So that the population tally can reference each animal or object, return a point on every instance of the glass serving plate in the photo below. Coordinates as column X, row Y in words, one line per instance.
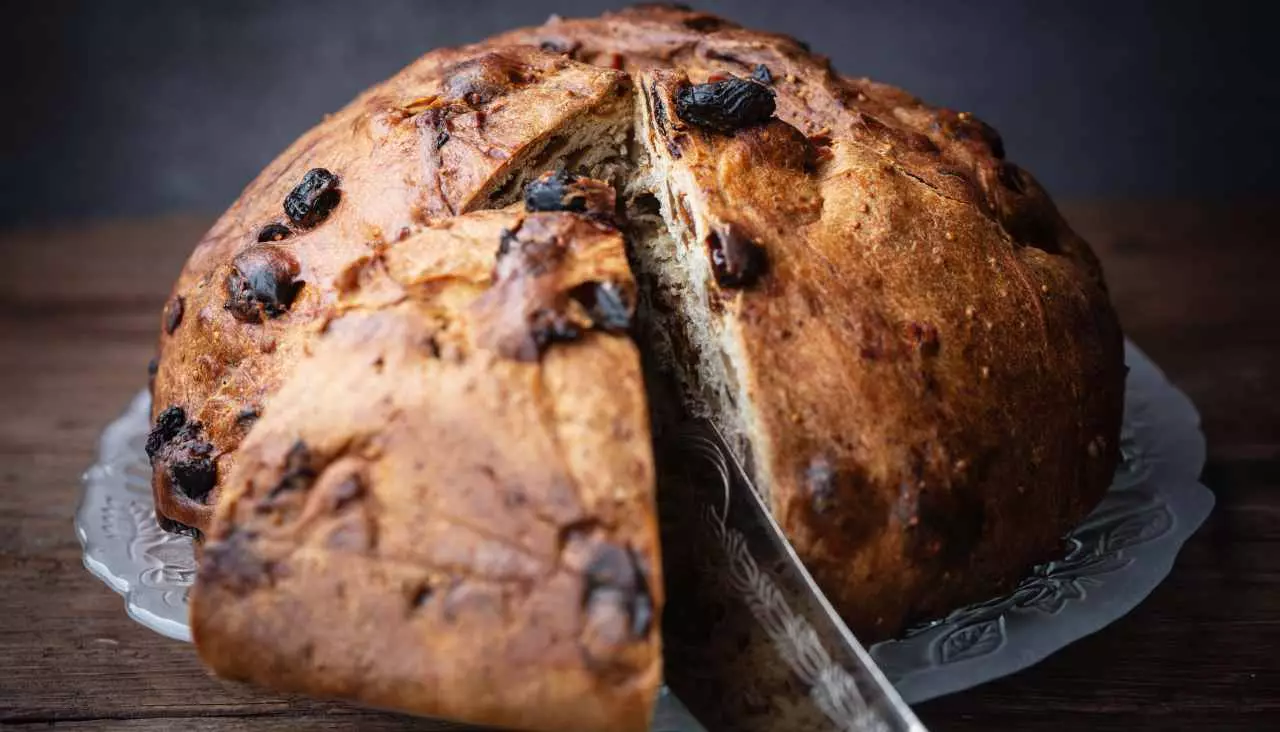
column 750, row 644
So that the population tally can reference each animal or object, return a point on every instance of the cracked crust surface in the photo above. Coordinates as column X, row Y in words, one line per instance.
column 928, row 380
column 411, row 423
column 486, row 545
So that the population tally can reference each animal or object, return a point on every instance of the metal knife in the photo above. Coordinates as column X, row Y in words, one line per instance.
column 751, row 642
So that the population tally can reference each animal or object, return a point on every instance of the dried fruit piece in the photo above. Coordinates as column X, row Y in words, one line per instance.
column 166, row 427
column 725, row 106
column 613, row 580
column 262, row 282
column 736, row 261
column 177, row 527
column 607, row 305
column 480, row 80
column 563, row 191
column 299, row 471
column 173, row 314
column 553, row 191
column 273, row 232
column 547, row 326
column 310, row 201
column 820, row 481
column 176, row 446
column 762, row 75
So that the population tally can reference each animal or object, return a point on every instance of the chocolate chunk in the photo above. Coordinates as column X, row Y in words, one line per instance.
column 736, row 261
column 762, row 75
column 553, row 192
column 607, row 305
column 725, row 106
column 262, row 282
column 273, row 232
column 310, row 201
column 173, row 314
column 613, row 577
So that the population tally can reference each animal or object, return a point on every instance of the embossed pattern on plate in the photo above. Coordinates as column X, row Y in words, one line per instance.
column 1115, row 558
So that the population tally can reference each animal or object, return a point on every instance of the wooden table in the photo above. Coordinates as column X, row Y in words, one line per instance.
column 1195, row 285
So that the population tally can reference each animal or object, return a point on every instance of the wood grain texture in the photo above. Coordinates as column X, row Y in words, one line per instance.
column 79, row 309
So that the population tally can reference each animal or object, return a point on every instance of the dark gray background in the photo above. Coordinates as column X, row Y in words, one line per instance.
column 117, row 108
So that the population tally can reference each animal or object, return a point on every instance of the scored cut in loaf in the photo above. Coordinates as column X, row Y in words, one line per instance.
column 408, row 384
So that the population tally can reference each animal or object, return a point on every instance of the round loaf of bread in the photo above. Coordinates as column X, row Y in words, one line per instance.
column 408, row 385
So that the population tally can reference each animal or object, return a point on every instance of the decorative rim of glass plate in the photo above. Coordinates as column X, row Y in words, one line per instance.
column 1121, row 552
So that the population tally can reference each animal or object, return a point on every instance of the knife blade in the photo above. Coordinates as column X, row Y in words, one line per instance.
column 752, row 642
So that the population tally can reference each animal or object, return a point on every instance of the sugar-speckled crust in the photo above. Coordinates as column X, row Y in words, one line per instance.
column 421, row 521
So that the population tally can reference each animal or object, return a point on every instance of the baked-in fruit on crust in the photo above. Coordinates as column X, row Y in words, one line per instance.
column 408, row 384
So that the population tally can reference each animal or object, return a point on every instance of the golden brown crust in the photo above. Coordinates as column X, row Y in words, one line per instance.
column 929, row 369
column 935, row 371
column 425, row 520
column 431, row 142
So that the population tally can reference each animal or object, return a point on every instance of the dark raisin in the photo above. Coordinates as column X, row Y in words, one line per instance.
column 273, row 232
column 566, row 48
column 725, row 106
column 551, row 192
column 232, row 565
column 924, row 336
column 247, row 416
column 310, row 201
column 299, row 470
column 613, row 577
column 1011, row 177
column 194, row 474
column 506, row 239
column 820, row 480
column 421, row 594
column 762, row 75
column 736, row 261
column 168, row 424
column 442, row 139
column 964, row 126
column 606, row 304
column 173, row 314
column 480, row 80
column 548, row 327
column 703, row 23
column 176, row 527
column 262, row 282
